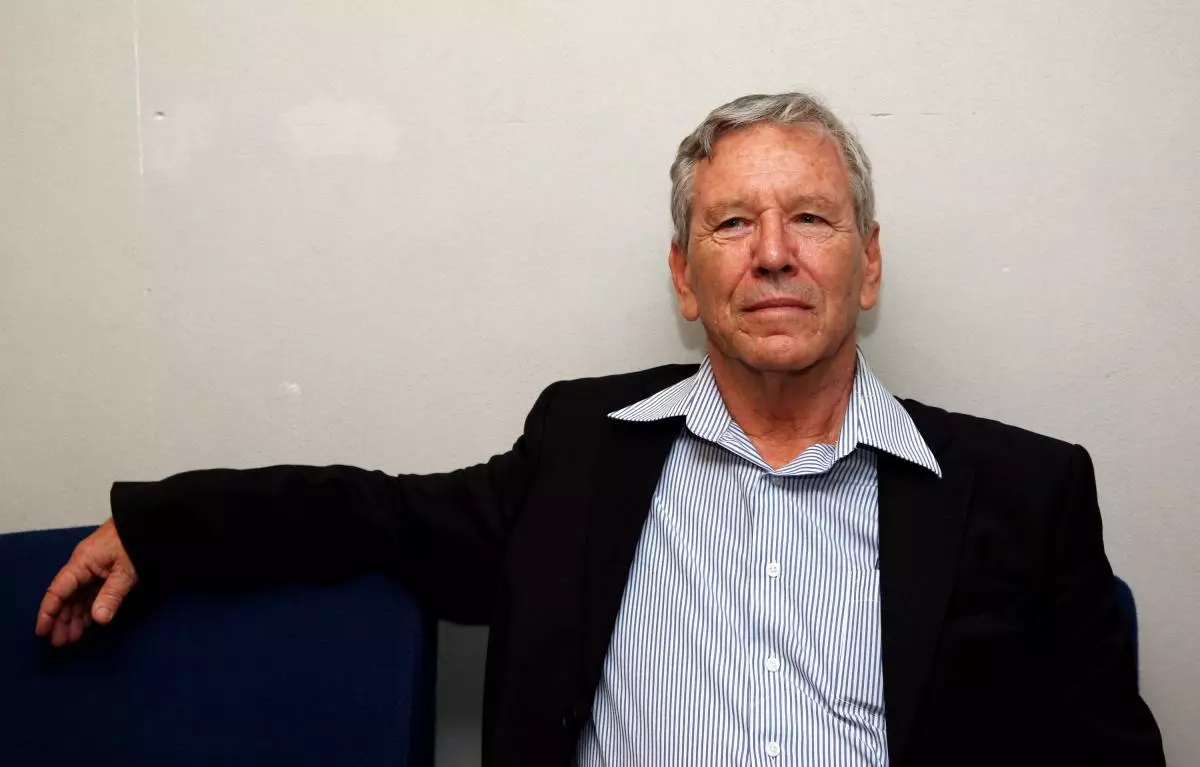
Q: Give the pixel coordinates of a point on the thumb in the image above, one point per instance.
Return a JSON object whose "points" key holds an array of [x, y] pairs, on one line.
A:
{"points": [[118, 584]]}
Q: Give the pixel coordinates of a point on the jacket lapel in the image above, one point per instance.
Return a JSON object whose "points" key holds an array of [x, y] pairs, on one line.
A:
{"points": [[630, 460], [921, 523]]}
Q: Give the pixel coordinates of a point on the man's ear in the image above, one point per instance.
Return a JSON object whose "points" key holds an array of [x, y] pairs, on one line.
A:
{"points": [[872, 275], [681, 278]]}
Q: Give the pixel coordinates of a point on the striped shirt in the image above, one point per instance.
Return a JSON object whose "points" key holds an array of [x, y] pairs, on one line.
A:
{"points": [[748, 633]]}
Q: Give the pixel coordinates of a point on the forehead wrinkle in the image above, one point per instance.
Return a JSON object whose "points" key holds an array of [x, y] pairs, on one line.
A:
{"points": [[805, 141], [787, 173], [790, 192]]}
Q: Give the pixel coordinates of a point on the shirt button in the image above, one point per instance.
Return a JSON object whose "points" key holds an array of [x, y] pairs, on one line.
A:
{"points": [[773, 569], [776, 480], [772, 749], [772, 664]]}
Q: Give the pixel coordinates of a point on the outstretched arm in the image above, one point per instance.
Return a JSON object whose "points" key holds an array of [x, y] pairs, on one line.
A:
{"points": [[444, 534]]}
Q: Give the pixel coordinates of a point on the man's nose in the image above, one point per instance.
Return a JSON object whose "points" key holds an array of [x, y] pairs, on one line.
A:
{"points": [[774, 252]]}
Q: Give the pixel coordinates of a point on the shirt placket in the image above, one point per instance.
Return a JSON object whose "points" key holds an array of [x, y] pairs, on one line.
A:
{"points": [[766, 666]]}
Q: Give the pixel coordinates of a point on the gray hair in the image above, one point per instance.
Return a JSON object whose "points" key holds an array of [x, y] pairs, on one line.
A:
{"points": [[780, 109]]}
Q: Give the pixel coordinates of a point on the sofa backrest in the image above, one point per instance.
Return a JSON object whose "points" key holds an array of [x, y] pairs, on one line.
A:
{"points": [[313, 674]]}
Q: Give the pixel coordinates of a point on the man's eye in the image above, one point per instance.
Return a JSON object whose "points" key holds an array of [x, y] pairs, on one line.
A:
{"points": [[809, 218], [731, 223]]}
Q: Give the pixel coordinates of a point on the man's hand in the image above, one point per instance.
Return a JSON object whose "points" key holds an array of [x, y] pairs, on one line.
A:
{"points": [[90, 587]]}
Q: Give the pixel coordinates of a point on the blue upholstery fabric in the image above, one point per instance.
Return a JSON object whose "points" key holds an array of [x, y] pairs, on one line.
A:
{"points": [[309, 674]]}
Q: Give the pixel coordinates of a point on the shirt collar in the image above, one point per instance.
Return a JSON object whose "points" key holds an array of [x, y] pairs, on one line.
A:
{"points": [[874, 417]]}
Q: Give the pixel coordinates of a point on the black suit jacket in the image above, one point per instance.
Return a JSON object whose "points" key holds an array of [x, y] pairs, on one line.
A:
{"points": [[1002, 642]]}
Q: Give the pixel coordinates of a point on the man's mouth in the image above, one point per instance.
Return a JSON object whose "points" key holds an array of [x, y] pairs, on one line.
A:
{"points": [[779, 303]]}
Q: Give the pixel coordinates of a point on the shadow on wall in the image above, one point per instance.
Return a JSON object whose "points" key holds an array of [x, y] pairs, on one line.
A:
{"points": [[868, 321], [461, 658]]}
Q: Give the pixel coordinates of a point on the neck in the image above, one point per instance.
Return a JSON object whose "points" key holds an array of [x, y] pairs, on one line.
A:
{"points": [[784, 413]]}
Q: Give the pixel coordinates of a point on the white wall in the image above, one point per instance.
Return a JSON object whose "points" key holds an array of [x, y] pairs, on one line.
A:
{"points": [[242, 233]]}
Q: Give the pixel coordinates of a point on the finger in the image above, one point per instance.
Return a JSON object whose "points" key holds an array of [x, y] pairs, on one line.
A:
{"points": [[65, 585], [65, 619], [75, 632], [112, 594], [74, 576], [67, 582], [48, 612], [62, 629]]}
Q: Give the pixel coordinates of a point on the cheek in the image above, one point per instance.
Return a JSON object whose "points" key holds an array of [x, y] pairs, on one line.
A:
{"points": [[716, 283], [838, 275]]}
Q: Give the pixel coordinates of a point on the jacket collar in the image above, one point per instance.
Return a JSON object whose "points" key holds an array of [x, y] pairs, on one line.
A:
{"points": [[874, 418]]}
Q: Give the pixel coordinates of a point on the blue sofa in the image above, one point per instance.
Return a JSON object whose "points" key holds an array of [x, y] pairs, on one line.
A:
{"points": [[313, 674]]}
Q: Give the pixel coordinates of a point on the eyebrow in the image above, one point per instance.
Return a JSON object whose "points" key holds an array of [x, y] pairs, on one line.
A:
{"points": [[798, 201]]}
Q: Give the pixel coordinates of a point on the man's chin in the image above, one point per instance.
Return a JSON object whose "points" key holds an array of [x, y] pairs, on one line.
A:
{"points": [[779, 355]]}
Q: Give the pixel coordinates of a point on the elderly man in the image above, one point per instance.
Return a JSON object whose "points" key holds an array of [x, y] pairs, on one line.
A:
{"points": [[766, 559]]}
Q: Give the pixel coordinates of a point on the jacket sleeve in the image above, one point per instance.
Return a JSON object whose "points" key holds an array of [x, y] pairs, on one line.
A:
{"points": [[442, 534], [1097, 716]]}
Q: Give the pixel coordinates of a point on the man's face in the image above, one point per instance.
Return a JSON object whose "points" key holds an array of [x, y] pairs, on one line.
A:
{"points": [[775, 268]]}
